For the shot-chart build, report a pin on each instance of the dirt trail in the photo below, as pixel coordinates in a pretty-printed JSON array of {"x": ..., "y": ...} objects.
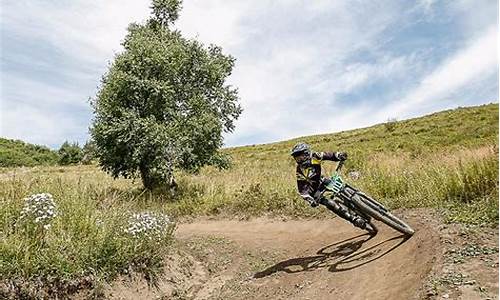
[{"x": 326, "y": 259}]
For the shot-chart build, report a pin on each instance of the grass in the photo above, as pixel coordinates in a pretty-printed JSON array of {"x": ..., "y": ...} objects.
[
  {"x": 447, "y": 160},
  {"x": 86, "y": 244}
]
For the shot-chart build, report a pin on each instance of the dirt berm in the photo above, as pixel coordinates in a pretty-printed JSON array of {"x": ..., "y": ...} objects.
[{"x": 304, "y": 259}]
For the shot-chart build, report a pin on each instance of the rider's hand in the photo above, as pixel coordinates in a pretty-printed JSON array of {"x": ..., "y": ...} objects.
[{"x": 342, "y": 156}]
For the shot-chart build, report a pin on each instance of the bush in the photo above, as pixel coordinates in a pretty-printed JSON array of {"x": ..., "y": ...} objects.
[
  {"x": 70, "y": 154},
  {"x": 391, "y": 124},
  {"x": 18, "y": 153},
  {"x": 53, "y": 246}
]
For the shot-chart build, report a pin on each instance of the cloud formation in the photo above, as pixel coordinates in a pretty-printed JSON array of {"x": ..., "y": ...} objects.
[{"x": 303, "y": 67}]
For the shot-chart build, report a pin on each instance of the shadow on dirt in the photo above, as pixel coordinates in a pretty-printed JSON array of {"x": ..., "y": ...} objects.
[{"x": 337, "y": 257}]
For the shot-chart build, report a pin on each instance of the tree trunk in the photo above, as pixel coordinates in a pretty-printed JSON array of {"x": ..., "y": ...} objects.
[
  {"x": 152, "y": 181},
  {"x": 147, "y": 180}
]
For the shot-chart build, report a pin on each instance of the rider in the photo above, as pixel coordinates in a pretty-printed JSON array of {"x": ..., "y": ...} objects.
[{"x": 310, "y": 183}]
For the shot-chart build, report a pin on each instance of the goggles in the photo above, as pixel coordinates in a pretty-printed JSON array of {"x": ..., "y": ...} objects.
[{"x": 301, "y": 158}]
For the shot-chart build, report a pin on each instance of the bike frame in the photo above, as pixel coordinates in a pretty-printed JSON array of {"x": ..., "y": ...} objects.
[
  {"x": 337, "y": 184},
  {"x": 341, "y": 190}
]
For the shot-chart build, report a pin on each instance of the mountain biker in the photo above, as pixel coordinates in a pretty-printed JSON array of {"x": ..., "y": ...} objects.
[{"x": 310, "y": 183}]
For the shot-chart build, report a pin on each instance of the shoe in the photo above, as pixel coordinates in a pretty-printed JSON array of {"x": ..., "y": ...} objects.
[
  {"x": 314, "y": 203},
  {"x": 359, "y": 222}
]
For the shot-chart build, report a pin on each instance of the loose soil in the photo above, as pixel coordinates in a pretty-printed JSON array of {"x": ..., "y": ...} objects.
[{"x": 324, "y": 259}]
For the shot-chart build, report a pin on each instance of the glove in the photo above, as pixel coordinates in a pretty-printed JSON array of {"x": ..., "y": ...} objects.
[
  {"x": 342, "y": 156},
  {"x": 311, "y": 200}
]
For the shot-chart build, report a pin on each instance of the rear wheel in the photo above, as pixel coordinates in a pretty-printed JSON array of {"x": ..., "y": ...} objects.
[{"x": 372, "y": 208}]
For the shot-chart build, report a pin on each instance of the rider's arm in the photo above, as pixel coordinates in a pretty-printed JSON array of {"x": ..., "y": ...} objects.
[
  {"x": 305, "y": 191},
  {"x": 333, "y": 156}
]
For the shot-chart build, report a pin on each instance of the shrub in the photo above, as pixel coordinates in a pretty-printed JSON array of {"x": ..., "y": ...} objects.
[
  {"x": 391, "y": 124},
  {"x": 70, "y": 153}
]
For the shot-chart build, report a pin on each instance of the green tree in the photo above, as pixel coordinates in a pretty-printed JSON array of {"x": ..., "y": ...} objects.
[
  {"x": 88, "y": 152},
  {"x": 163, "y": 103},
  {"x": 70, "y": 153}
]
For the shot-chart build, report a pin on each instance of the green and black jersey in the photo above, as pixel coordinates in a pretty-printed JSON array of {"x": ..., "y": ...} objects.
[{"x": 309, "y": 173}]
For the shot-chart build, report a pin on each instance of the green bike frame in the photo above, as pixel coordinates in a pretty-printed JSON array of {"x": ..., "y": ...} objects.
[{"x": 336, "y": 184}]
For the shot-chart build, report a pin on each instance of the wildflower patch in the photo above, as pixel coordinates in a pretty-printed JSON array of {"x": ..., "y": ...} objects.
[
  {"x": 39, "y": 209},
  {"x": 153, "y": 226}
]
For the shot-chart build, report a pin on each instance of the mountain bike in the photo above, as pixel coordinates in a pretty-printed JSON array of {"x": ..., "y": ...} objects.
[{"x": 338, "y": 193}]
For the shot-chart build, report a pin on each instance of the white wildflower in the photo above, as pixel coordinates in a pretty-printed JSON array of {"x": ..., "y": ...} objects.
[
  {"x": 149, "y": 225},
  {"x": 40, "y": 209},
  {"x": 355, "y": 175}
]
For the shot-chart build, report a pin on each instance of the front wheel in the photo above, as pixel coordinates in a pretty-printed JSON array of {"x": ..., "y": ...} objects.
[{"x": 377, "y": 211}]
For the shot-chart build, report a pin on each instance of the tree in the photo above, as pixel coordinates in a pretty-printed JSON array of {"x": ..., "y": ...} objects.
[
  {"x": 70, "y": 153},
  {"x": 163, "y": 103},
  {"x": 88, "y": 152}
]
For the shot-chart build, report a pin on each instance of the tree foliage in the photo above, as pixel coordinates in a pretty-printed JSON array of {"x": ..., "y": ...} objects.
[
  {"x": 15, "y": 153},
  {"x": 163, "y": 103},
  {"x": 88, "y": 152},
  {"x": 70, "y": 153}
]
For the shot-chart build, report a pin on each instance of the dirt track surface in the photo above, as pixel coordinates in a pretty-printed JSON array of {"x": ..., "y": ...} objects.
[
  {"x": 317, "y": 259},
  {"x": 326, "y": 259}
]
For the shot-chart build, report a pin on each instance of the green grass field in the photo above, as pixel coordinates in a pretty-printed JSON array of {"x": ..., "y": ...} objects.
[
  {"x": 445, "y": 160},
  {"x": 448, "y": 161}
]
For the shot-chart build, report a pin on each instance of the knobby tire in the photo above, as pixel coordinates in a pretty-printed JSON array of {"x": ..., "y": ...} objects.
[{"x": 378, "y": 211}]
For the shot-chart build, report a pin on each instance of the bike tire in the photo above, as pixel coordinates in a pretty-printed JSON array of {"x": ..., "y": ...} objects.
[{"x": 372, "y": 208}]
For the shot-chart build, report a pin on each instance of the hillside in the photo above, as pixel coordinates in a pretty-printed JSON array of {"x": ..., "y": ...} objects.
[
  {"x": 448, "y": 160},
  {"x": 438, "y": 172},
  {"x": 451, "y": 129},
  {"x": 15, "y": 153}
]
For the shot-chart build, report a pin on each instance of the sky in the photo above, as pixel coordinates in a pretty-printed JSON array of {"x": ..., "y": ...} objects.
[{"x": 302, "y": 67}]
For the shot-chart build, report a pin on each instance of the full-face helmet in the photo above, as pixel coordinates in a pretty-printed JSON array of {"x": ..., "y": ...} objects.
[{"x": 301, "y": 152}]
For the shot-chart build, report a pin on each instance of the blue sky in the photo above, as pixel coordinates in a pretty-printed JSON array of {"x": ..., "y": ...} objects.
[{"x": 303, "y": 67}]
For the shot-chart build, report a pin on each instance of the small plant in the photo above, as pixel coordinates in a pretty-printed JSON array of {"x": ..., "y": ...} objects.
[
  {"x": 391, "y": 124},
  {"x": 39, "y": 209}
]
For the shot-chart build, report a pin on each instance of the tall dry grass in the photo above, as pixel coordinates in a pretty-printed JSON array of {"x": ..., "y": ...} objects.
[
  {"x": 458, "y": 180},
  {"x": 86, "y": 243}
]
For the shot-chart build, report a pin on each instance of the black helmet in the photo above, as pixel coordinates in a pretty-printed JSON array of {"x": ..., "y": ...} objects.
[{"x": 300, "y": 148}]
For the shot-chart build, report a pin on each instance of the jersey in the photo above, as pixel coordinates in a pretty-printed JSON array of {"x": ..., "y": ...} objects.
[{"x": 309, "y": 173}]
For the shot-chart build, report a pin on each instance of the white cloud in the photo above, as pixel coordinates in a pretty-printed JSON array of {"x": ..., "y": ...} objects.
[
  {"x": 477, "y": 60},
  {"x": 40, "y": 125},
  {"x": 296, "y": 61},
  {"x": 88, "y": 31},
  {"x": 86, "y": 34}
]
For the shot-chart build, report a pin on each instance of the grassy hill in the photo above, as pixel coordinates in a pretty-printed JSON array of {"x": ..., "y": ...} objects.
[
  {"x": 447, "y": 160},
  {"x": 15, "y": 153}
]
